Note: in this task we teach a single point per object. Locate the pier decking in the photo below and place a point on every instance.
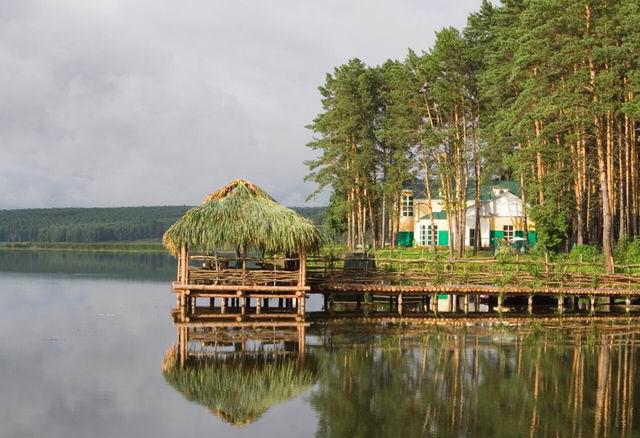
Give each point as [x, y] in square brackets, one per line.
[292, 280]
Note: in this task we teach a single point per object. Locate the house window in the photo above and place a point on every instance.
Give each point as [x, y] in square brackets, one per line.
[407, 206]
[425, 235]
[472, 236]
[508, 232]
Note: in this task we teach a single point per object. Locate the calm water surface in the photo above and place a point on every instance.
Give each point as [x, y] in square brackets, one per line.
[85, 337]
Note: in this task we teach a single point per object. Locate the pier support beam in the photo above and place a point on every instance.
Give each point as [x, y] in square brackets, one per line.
[400, 304]
[592, 304]
[466, 304]
[560, 304]
[434, 303]
[500, 302]
[530, 304]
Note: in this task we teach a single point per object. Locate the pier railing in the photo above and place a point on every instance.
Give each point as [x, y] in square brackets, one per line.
[360, 273]
[251, 271]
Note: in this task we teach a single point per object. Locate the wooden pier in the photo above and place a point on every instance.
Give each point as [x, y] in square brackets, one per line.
[286, 283]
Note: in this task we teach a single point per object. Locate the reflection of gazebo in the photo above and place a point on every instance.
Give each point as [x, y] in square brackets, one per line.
[240, 389]
[264, 243]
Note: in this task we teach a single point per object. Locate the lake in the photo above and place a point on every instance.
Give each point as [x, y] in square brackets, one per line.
[86, 337]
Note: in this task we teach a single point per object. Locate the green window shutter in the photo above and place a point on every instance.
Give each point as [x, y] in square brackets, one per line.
[405, 238]
[443, 238]
[495, 235]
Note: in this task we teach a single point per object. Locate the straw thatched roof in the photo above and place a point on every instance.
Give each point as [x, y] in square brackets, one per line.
[241, 389]
[242, 214]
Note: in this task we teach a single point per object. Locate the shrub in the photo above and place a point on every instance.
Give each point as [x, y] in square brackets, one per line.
[627, 251]
[589, 253]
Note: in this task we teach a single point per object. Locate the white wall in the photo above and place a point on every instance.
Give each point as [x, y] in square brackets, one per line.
[505, 205]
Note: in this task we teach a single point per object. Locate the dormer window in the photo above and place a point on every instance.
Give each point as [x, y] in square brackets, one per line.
[407, 206]
[497, 191]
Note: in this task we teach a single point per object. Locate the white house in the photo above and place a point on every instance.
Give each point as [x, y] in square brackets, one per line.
[501, 216]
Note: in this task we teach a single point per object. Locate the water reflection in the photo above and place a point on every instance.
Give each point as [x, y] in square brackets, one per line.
[553, 378]
[144, 266]
[528, 381]
[238, 369]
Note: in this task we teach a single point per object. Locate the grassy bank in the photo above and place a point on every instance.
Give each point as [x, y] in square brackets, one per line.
[581, 258]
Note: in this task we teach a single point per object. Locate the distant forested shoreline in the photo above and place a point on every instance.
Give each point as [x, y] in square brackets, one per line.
[94, 225]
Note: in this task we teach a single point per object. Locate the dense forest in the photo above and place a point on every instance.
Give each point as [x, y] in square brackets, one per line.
[544, 92]
[90, 225]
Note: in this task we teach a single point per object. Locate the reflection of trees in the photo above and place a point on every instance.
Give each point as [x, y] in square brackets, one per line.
[240, 388]
[119, 264]
[495, 383]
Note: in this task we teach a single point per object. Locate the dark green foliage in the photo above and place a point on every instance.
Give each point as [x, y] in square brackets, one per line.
[87, 224]
[627, 251]
[545, 91]
[314, 214]
[91, 225]
[551, 224]
[585, 253]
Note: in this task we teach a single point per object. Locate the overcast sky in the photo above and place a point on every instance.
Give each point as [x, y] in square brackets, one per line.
[143, 102]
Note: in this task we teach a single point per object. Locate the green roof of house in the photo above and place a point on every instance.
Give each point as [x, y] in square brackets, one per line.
[436, 215]
[486, 190]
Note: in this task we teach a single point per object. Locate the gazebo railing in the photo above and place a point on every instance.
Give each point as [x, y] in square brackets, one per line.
[249, 271]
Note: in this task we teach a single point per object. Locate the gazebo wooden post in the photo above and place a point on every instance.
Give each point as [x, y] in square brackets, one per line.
[244, 258]
[179, 273]
[183, 274]
[183, 263]
[302, 280]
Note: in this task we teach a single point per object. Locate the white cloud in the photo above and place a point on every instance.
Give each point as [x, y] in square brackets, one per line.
[144, 103]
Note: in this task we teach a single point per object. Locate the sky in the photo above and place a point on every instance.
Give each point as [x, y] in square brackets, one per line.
[148, 102]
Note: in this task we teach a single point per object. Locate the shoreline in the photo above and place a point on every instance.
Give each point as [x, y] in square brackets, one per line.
[129, 247]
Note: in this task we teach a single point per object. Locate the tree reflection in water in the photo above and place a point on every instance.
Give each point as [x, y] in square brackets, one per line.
[535, 381]
[532, 380]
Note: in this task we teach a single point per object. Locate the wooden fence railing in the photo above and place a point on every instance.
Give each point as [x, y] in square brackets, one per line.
[470, 272]
[249, 271]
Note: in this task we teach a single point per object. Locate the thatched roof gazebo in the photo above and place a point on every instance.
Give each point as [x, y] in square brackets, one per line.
[243, 218]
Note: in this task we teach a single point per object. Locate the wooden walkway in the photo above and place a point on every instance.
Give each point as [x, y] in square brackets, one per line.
[469, 277]
[399, 280]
